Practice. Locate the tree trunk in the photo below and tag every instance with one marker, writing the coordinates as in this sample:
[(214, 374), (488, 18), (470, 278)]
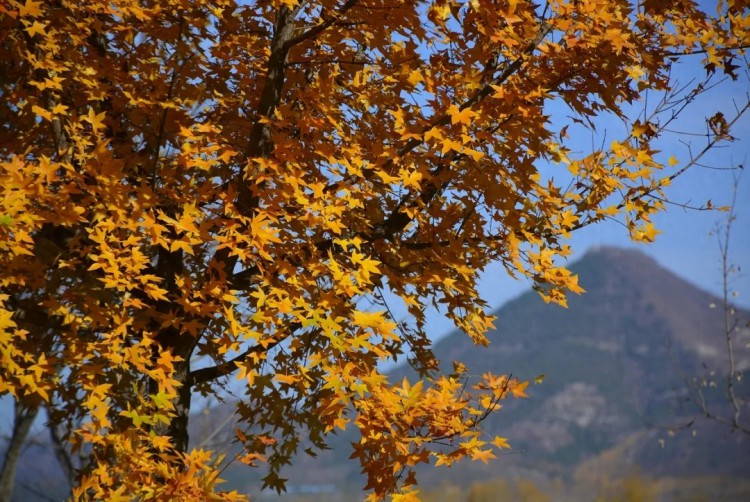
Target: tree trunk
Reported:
[(178, 427), (23, 418), (62, 455)]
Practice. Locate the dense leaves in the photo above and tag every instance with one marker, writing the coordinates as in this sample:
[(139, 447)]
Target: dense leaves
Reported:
[(193, 191)]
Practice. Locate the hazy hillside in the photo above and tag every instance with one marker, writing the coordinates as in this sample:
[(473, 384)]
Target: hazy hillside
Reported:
[(616, 364)]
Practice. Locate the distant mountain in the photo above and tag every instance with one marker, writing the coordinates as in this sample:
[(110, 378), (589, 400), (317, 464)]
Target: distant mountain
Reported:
[(616, 365)]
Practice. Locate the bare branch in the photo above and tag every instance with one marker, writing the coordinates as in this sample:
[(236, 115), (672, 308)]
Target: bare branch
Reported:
[(694, 160)]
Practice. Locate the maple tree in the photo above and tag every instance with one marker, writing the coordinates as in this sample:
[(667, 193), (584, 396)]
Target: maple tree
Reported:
[(231, 182)]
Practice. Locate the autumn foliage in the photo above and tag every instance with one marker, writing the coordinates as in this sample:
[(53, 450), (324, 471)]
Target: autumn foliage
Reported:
[(194, 192)]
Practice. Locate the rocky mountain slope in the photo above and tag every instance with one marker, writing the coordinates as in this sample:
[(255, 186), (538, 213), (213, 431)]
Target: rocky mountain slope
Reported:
[(617, 364)]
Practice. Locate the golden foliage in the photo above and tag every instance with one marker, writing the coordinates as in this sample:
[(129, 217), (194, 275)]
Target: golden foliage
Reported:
[(233, 180)]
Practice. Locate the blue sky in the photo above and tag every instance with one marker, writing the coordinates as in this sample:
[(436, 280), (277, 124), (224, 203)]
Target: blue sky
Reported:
[(685, 245)]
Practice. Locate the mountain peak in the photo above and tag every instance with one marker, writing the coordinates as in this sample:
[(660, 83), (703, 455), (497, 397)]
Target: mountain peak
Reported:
[(615, 358), (604, 269), (619, 257), (631, 303), (628, 284), (617, 253)]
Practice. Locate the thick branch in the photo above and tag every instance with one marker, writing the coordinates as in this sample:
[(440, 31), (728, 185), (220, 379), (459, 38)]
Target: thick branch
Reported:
[(203, 375), (260, 143), (22, 421), (62, 455), (315, 30)]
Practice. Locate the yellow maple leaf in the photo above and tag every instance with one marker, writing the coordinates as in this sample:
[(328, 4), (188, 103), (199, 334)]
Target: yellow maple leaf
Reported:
[(29, 9), (95, 119), (500, 442), (433, 133), (38, 110), (461, 116), (519, 390), (59, 109), (35, 28), (484, 455), (406, 496), (415, 77)]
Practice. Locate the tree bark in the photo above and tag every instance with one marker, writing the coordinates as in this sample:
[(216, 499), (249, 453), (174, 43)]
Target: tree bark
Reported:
[(22, 420), (62, 455), (178, 427)]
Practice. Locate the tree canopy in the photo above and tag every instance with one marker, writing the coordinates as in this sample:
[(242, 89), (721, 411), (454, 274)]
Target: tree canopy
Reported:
[(194, 191)]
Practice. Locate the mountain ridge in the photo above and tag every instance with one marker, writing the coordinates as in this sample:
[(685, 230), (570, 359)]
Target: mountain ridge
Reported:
[(615, 363)]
